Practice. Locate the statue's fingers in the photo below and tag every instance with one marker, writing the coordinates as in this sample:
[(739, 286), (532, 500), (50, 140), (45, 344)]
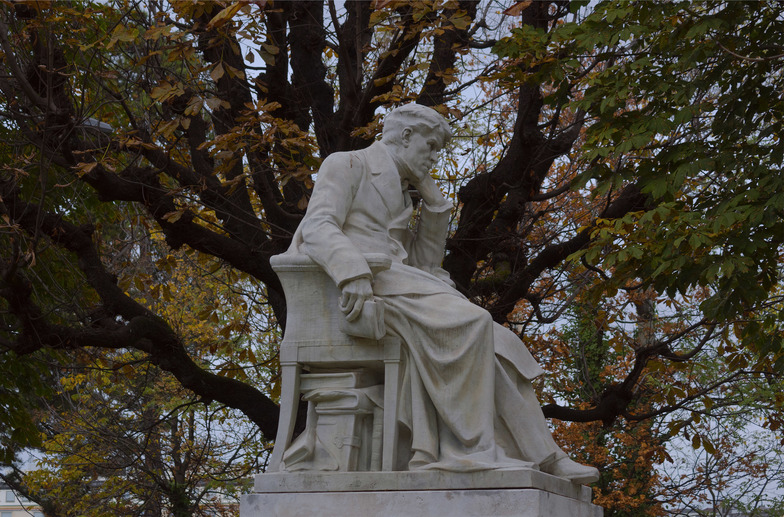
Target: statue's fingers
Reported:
[(351, 303), (356, 310), (348, 302)]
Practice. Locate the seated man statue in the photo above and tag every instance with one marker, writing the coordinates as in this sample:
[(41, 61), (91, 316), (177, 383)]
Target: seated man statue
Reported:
[(466, 398)]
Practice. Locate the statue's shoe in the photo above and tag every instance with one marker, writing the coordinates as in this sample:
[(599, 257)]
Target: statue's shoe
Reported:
[(571, 470)]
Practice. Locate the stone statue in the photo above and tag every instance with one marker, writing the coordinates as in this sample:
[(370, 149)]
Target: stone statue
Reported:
[(466, 398)]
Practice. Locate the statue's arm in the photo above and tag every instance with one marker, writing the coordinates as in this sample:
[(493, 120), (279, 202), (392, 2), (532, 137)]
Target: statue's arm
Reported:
[(427, 247), (322, 228), (426, 250)]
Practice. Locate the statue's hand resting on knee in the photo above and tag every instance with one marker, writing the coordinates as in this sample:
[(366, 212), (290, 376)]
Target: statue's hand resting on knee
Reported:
[(354, 294)]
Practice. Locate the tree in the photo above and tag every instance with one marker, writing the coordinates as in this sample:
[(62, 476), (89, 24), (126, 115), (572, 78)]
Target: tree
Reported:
[(584, 355), (119, 438), (602, 151), (743, 473), (124, 449)]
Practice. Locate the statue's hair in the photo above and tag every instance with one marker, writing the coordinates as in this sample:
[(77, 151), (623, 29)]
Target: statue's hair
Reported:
[(418, 118)]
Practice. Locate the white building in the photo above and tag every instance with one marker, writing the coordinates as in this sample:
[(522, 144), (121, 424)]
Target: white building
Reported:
[(12, 505)]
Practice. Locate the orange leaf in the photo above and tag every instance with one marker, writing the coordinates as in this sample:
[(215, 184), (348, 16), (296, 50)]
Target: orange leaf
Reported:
[(518, 8)]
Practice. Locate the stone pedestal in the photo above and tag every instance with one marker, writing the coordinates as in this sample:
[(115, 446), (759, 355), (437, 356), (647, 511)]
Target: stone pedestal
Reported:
[(518, 493)]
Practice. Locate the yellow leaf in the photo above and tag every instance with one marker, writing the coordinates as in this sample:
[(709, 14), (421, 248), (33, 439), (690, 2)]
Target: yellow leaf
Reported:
[(217, 72), (166, 91), (194, 106), (158, 92), (174, 216), (213, 103), (271, 49), (154, 33), (167, 128), (225, 15), (127, 370), (85, 168), (123, 33), (380, 4), (461, 21), (275, 389), (234, 72), (267, 57)]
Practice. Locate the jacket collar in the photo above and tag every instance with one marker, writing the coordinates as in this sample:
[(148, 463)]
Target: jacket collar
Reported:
[(385, 178)]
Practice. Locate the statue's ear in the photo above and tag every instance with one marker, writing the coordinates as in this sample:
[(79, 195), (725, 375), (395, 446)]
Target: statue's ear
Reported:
[(405, 136)]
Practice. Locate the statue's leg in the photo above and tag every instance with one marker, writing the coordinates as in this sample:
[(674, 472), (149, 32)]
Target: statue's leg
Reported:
[(449, 342), (450, 387), (518, 409)]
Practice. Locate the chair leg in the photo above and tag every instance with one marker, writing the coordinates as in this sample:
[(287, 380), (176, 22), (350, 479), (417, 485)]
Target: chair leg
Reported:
[(289, 402), (391, 391)]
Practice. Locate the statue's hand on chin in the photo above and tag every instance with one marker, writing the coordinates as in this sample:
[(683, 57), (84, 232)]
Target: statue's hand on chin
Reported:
[(430, 192)]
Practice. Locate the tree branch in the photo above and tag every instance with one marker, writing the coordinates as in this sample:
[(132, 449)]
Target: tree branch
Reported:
[(308, 40), (630, 199), (445, 48), (45, 104), (144, 331)]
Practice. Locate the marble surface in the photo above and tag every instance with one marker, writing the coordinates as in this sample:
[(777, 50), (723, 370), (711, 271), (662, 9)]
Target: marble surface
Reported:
[(435, 503), (523, 493), (417, 481)]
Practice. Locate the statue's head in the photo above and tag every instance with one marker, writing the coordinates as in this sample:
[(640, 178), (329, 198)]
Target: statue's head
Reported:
[(416, 133), (417, 117)]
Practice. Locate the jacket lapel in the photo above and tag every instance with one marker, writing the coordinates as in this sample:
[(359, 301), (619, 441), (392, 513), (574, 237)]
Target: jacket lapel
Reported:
[(385, 178)]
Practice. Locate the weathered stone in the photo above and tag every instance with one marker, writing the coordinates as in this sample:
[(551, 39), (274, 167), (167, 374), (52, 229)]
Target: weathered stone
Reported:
[(520, 493)]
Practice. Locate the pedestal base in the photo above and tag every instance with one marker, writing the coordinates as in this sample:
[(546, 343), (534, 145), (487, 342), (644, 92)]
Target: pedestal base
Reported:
[(519, 493)]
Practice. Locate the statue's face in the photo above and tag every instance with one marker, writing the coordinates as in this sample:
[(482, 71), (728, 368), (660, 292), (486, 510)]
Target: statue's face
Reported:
[(419, 151)]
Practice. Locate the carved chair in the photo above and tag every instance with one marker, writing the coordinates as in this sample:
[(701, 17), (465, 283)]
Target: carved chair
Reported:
[(315, 342)]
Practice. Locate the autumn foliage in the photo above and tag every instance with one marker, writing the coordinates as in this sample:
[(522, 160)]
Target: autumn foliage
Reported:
[(616, 169)]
